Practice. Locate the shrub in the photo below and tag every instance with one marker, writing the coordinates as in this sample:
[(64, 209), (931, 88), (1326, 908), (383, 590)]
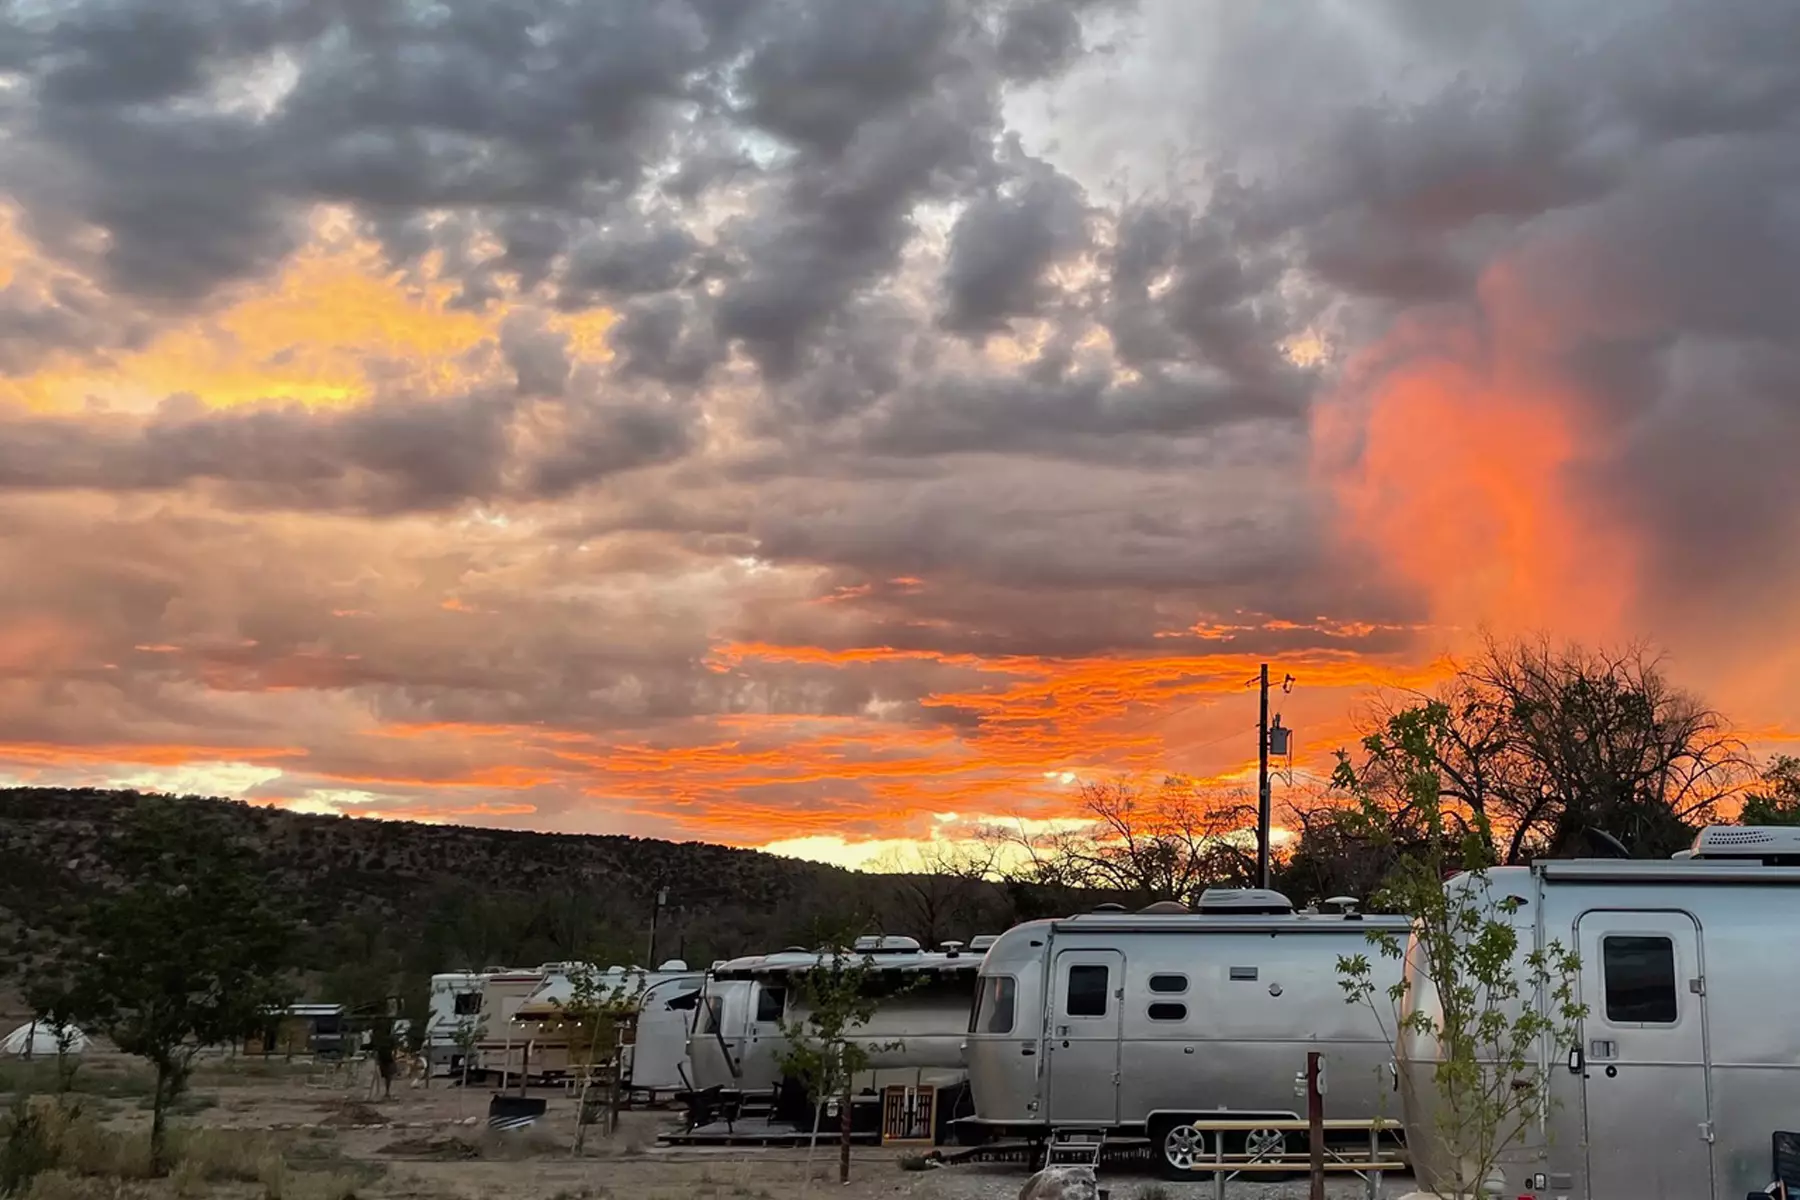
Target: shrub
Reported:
[(28, 1145)]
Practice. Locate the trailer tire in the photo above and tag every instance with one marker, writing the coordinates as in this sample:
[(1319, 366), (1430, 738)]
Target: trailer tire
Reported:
[(1182, 1152), (1268, 1144)]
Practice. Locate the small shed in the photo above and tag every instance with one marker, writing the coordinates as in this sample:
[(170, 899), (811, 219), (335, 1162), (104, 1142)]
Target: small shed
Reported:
[(314, 1029)]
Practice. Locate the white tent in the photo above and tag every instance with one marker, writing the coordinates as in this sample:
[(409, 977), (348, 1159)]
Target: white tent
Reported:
[(37, 1039)]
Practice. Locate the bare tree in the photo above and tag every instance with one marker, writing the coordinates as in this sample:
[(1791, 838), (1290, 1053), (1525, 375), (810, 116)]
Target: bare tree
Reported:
[(1141, 844), (943, 890)]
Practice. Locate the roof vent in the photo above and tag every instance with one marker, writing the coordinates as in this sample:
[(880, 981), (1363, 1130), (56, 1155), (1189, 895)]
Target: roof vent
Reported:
[(1164, 908), (886, 944), (982, 941), (674, 964), (1772, 845), (1244, 901), (1109, 907)]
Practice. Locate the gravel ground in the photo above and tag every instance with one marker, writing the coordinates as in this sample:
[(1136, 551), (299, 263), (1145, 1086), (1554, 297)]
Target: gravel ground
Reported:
[(991, 1183)]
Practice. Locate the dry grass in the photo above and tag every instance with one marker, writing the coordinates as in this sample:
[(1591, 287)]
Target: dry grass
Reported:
[(218, 1155), (95, 1077), (66, 1185), (284, 1183), (79, 1159)]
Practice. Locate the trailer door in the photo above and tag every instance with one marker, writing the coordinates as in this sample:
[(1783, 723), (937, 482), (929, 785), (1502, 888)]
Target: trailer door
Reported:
[(1083, 1041), (1649, 1119)]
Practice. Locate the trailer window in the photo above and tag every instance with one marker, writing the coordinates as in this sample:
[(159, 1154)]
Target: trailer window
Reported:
[(769, 1003), (1087, 991), (994, 1006), (706, 1017), (468, 1004), (1640, 980), (1168, 985), (1168, 1010)]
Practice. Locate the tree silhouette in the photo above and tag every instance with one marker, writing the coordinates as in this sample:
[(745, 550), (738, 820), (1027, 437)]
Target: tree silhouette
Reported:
[(184, 952)]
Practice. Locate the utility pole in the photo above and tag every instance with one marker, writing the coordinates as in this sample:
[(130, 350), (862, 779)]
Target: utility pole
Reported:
[(1262, 781), (662, 898)]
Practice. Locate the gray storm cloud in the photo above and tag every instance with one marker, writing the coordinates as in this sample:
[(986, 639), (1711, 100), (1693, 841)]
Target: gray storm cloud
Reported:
[(1036, 300)]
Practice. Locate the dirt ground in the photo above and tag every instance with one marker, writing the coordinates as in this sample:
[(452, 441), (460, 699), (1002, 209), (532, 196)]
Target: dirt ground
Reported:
[(428, 1143)]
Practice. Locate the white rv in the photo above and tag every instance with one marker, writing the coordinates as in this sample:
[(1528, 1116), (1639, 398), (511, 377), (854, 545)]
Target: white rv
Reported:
[(502, 993), (1138, 1024), (1688, 1061), (538, 1041), (914, 1037), (455, 1006)]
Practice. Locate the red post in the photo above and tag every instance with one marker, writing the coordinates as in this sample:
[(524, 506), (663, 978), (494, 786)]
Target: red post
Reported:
[(1315, 1122)]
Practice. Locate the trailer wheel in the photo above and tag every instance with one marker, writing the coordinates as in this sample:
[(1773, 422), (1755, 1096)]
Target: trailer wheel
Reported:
[(1181, 1150), (1268, 1145)]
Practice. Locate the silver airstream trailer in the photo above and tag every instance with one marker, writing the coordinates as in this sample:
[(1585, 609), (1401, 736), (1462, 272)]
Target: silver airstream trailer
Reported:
[(1688, 1062), (1140, 1023), (915, 1038)]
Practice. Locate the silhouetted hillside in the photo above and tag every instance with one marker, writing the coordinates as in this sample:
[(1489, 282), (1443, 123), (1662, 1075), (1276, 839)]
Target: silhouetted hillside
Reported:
[(386, 900)]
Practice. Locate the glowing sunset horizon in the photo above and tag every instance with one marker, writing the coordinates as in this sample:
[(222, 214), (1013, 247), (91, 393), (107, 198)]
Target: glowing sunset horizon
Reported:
[(830, 426)]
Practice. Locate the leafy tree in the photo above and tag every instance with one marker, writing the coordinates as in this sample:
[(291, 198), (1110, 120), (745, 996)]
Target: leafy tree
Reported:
[(1546, 752), (1480, 998), (599, 1008), (50, 1000), (1776, 801), (823, 1053), (182, 953)]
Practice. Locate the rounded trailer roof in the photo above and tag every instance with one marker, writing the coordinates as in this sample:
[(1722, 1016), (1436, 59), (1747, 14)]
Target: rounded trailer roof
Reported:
[(788, 962)]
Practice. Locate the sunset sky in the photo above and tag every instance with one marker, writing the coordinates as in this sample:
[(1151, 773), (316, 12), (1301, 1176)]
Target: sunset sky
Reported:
[(826, 423)]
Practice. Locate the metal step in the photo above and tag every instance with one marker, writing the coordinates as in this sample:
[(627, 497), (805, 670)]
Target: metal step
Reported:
[(1075, 1148)]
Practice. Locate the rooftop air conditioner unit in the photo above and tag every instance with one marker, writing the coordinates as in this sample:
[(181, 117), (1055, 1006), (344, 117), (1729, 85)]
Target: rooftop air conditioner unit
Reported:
[(1244, 901), (1774, 845)]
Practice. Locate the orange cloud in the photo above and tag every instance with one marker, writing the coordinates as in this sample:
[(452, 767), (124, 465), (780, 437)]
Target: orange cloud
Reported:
[(316, 333), (1454, 458), (55, 755)]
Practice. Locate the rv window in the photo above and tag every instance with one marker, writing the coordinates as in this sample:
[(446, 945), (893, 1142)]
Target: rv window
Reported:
[(769, 1001), (994, 1006), (1640, 980), (706, 1018), (1168, 985), (468, 1004), (1087, 992), (1168, 1010)]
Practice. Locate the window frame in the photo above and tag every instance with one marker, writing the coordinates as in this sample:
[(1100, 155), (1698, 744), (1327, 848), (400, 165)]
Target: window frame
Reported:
[(1179, 991), (986, 1004), (1181, 1005), (1105, 994), (1666, 944), (765, 990)]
